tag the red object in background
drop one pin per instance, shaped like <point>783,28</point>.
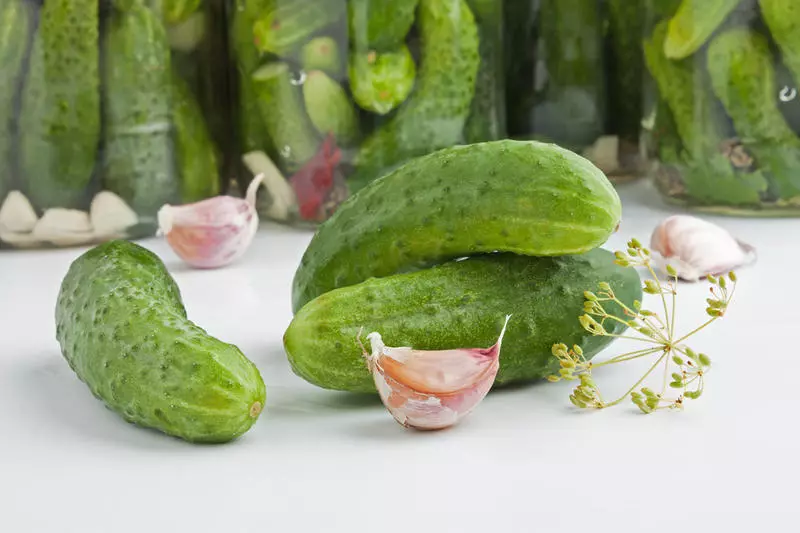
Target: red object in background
<point>313,183</point>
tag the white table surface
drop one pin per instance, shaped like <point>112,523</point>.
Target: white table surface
<point>525,460</point>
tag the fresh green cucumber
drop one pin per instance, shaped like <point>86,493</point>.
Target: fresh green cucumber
<point>198,164</point>
<point>693,24</point>
<point>123,329</point>
<point>60,119</point>
<point>382,81</point>
<point>15,31</point>
<point>434,115</point>
<point>284,25</point>
<point>457,305</point>
<point>329,108</point>
<point>487,116</point>
<point>322,53</point>
<point>701,124</point>
<point>743,77</point>
<point>570,108</point>
<point>626,76</point>
<point>513,196</point>
<point>379,25</point>
<point>140,162</point>
<point>281,105</point>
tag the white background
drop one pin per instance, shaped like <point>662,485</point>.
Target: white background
<point>525,460</point>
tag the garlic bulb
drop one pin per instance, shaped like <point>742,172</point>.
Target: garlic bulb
<point>432,389</point>
<point>214,232</point>
<point>696,248</point>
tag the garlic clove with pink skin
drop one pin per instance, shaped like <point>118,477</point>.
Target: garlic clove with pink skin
<point>696,248</point>
<point>212,233</point>
<point>429,390</point>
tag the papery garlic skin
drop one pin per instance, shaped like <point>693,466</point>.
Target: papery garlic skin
<point>430,390</point>
<point>214,232</point>
<point>696,248</point>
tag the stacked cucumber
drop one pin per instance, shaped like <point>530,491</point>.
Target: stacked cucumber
<point>725,129</point>
<point>529,217</point>
<point>100,96</point>
<point>386,80</point>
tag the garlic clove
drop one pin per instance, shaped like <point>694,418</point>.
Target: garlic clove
<point>604,154</point>
<point>214,232</point>
<point>432,389</point>
<point>17,214</point>
<point>696,248</point>
<point>284,201</point>
<point>110,215</point>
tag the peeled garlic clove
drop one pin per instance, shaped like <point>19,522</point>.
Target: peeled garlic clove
<point>110,215</point>
<point>432,389</point>
<point>696,248</point>
<point>214,232</point>
<point>17,214</point>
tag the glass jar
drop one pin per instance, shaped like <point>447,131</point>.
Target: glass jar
<point>109,111</point>
<point>333,94</point>
<point>723,116</point>
<point>574,73</point>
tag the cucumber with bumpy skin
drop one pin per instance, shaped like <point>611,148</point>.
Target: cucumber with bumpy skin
<point>743,77</point>
<point>15,30</point>
<point>281,104</point>
<point>434,115</point>
<point>329,108</point>
<point>59,123</point>
<point>140,163</point>
<point>524,197</point>
<point>455,305</point>
<point>379,25</point>
<point>198,165</point>
<point>693,24</point>
<point>382,81</point>
<point>123,329</point>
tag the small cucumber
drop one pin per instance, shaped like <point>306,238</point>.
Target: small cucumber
<point>123,329</point>
<point>140,163</point>
<point>198,164</point>
<point>281,105</point>
<point>379,25</point>
<point>487,116</point>
<point>524,197</point>
<point>382,81</point>
<point>15,32</point>
<point>329,108</point>
<point>322,53</point>
<point>693,24</point>
<point>434,115</point>
<point>743,77</point>
<point>284,25</point>
<point>455,305</point>
<point>59,123</point>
